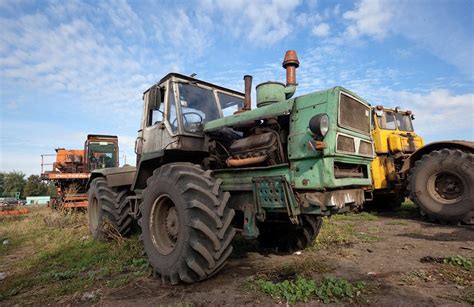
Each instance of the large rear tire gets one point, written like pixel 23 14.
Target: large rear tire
pixel 107 208
pixel 186 224
pixel 442 184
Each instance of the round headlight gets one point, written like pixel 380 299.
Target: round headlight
pixel 319 125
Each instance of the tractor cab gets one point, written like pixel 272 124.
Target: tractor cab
pixel 176 110
pixel 101 151
pixel 393 131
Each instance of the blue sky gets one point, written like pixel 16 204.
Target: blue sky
pixel 69 68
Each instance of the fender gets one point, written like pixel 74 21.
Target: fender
pixel 454 144
pixel 147 165
pixel 115 176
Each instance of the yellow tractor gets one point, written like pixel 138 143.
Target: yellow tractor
pixel 437 177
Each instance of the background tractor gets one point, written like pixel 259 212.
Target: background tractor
pixel 72 168
pixel 209 166
pixel 438 177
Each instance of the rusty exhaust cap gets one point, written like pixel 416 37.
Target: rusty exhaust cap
pixel 290 63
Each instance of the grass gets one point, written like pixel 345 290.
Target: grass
pixel 338 232
pixel 352 216
pixel 457 270
pixel 61 259
pixel 407 210
pixel 301 289
pixel 305 264
pixel 395 222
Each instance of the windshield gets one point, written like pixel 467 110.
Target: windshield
pixel 102 155
pixel 198 106
pixel 387 120
pixel 229 104
pixel 404 122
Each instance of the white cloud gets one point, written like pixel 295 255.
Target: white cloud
pixel 439 111
pixel 185 34
pixel 260 21
pixel 370 17
pixel 321 30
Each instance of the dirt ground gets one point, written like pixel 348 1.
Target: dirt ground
pixel 384 250
pixel 389 262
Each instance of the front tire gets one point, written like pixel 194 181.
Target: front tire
pixel 442 185
pixel 186 224
pixel 287 238
pixel 108 207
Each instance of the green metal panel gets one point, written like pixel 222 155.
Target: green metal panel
pixel 274 109
pixel 270 92
pixel 312 169
pixel 308 169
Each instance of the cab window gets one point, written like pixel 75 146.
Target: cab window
pixel 404 122
pixel 198 106
pixel 387 120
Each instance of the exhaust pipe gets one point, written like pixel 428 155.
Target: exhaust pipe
pixel 248 90
pixel 290 63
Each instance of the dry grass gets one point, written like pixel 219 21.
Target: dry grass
pixel 50 256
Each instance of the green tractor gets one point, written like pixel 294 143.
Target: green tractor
pixel 208 167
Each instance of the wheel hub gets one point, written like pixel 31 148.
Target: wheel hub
pixel 172 224
pixel 164 225
pixel 446 187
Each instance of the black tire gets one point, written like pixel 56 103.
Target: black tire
pixel 385 202
pixel 287 237
pixel 108 207
pixel 441 183
pixel 186 224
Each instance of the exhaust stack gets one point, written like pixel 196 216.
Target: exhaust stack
pixel 248 90
pixel 290 63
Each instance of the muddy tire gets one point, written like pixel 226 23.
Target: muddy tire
pixel 442 184
pixel 288 238
pixel 107 208
pixel 186 224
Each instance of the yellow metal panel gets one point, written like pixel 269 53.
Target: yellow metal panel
pixel 378 173
pixel 395 142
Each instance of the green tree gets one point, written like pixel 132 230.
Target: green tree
pixel 52 191
pixel 2 182
pixel 35 187
pixel 14 182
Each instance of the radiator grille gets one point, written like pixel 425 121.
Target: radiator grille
pixel 353 114
pixel 345 143
pixel 365 148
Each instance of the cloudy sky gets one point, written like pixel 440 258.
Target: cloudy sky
pixel 69 68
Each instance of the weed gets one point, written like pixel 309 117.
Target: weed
pixel 412 278
pixel 469 298
pixel 302 289
pixel 458 260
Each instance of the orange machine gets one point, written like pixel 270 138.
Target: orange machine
pixel 72 168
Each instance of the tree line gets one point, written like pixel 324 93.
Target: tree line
pixel 13 182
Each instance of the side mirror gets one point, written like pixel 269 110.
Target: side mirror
pixel 412 116
pixel 154 98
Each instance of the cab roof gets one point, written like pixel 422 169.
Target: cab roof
pixel 191 79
